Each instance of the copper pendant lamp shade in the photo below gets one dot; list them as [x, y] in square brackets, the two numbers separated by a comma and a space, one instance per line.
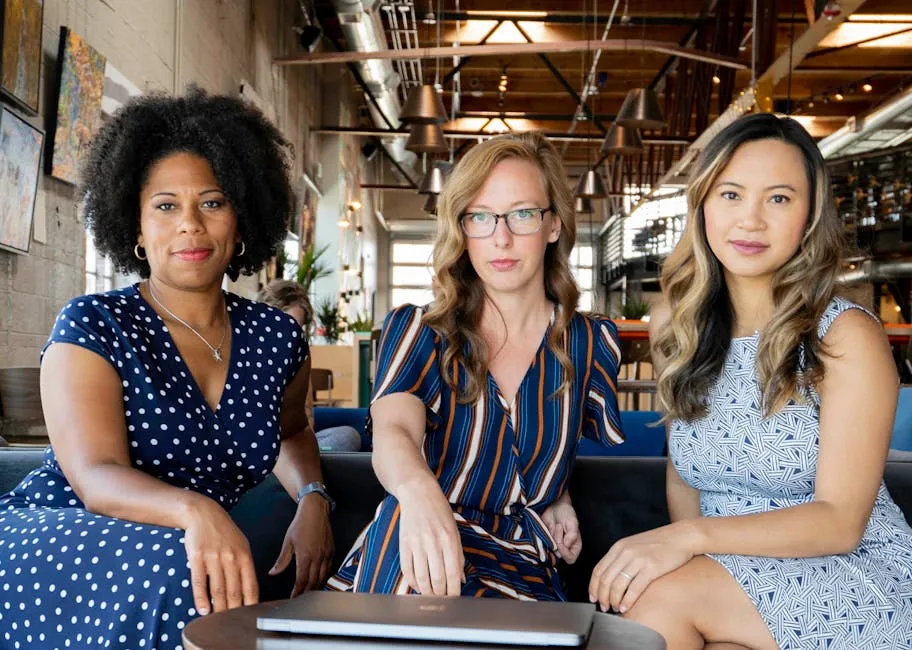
[590, 186]
[430, 206]
[432, 183]
[423, 106]
[426, 138]
[641, 110]
[622, 140]
[583, 205]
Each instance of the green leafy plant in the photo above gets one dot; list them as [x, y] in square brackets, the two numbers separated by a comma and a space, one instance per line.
[281, 261]
[363, 323]
[634, 308]
[330, 322]
[312, 268]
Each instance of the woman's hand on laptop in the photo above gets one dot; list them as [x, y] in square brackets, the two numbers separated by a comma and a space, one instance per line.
[560, 518]
[430, 549]
[218, 554]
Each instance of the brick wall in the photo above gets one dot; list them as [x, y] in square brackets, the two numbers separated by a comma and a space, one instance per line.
[158, 45]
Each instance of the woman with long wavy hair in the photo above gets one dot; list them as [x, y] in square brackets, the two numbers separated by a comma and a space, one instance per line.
[482, 396]
[779, 398]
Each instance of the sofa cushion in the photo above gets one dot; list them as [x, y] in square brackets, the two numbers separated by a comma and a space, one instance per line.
[614, 497]
[15, 463]
[643, 436]
[326, 417]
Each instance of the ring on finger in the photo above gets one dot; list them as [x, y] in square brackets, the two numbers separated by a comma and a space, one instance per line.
[626, 575]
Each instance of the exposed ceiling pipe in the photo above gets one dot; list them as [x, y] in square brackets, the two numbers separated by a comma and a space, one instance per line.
[877, 271]
[363, 30]
[874, 121]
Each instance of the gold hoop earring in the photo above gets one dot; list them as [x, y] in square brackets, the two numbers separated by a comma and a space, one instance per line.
[243, 249]
[136, 253]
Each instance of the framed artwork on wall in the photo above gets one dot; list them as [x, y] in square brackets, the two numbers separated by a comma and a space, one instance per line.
[20, 166]
[310, 195]
[80, 91]
[20, 59]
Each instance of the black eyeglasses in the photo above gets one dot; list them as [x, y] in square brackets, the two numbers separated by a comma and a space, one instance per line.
[525, 221]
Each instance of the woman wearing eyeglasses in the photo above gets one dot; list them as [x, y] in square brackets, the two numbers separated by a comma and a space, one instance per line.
[482, 396]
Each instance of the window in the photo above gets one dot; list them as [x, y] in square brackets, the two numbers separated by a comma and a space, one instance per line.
[99, 272]
[582, 268]
[411, 273]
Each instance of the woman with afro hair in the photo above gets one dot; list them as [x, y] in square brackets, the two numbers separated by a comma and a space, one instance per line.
[167, 400]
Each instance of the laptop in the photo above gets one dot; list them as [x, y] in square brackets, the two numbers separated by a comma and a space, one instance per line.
[433, 618]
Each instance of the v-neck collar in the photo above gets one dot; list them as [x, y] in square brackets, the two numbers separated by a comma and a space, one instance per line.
[233, 360]
[510, 405]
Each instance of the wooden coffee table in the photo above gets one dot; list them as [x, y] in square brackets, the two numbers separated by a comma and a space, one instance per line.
[236, 630]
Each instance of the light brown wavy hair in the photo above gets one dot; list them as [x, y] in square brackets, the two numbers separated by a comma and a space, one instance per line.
[458, 292]
[283, 294]
[699, 332]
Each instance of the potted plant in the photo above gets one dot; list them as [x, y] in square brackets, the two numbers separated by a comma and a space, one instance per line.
[363, 323]
[330, 322]
[312, 268]
[634, 308]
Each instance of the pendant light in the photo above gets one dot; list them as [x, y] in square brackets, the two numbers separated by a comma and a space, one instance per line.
[430, 205]
[426, 138]
[423, 106]
[432, 183]
[582, 205]
[591, 186]
[622, 140]
[641, 110]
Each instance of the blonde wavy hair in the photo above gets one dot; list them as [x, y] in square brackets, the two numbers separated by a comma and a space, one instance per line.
[698, 335]
[458, 292]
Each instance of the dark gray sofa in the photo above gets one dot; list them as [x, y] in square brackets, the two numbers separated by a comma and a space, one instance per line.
[614, 497]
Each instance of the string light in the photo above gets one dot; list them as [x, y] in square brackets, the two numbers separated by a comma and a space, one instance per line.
[840, 94]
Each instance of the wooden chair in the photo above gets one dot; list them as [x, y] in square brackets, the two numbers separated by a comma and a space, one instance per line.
[321, 379]
[634, 353]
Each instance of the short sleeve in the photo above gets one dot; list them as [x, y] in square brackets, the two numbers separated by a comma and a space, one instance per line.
[290, 339]
[602, 422]
[86, 322]
[300, 352]
[407, 359]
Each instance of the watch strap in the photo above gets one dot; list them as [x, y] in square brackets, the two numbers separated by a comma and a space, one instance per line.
[316, 487]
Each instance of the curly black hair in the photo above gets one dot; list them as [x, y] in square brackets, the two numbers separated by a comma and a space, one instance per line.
[249, 156]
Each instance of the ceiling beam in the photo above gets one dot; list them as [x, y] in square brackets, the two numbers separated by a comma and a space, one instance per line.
[637, 18]
[852, 71]
[505, 49]
[474, 135]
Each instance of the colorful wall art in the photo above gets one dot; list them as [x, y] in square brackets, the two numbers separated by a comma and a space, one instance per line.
[20, 58]
[20, 165]
[82, 76]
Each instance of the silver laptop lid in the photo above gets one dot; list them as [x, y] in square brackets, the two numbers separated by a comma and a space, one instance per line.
[431, 618]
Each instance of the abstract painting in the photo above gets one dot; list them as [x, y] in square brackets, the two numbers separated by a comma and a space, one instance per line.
[20, 61]
[81, 87]
[20, 164]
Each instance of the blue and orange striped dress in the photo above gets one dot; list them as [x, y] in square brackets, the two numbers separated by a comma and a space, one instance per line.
[499, 465]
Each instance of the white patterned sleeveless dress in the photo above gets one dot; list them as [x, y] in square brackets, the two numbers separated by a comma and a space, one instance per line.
[743, 463]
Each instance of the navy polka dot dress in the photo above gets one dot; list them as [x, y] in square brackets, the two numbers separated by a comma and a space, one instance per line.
[73, 579]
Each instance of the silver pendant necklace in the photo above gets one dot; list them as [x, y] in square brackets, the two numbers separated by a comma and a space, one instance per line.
[216, 351]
